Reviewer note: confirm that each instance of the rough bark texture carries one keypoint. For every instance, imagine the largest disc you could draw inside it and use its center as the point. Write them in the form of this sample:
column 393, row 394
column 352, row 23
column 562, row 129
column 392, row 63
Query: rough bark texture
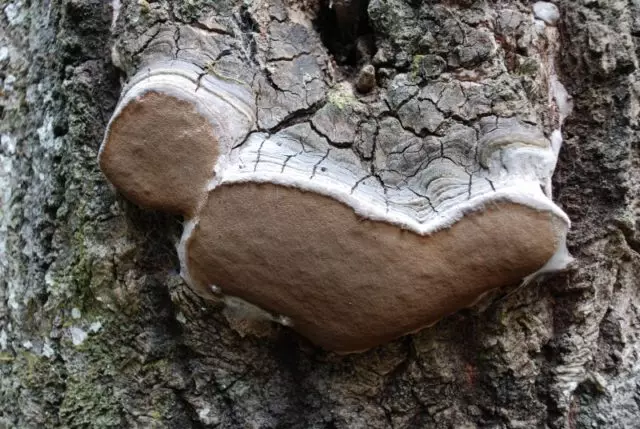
column 98, row 330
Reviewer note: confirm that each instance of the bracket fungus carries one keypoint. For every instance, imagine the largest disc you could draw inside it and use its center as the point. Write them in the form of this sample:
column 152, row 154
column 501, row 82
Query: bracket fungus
column 348, row 257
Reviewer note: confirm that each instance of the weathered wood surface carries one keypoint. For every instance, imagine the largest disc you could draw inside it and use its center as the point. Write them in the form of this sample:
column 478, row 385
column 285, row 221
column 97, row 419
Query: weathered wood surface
column 97, row 329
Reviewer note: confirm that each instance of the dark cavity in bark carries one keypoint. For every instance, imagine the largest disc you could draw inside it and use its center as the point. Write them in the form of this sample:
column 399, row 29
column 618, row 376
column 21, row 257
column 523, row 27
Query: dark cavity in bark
column 344, row 28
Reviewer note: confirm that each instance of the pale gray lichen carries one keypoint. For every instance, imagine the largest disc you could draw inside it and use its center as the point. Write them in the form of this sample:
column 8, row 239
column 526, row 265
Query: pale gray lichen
column 547, row 12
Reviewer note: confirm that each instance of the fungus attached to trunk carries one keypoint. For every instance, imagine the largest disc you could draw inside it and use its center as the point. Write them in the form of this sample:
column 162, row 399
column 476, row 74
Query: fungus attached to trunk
column 164, row 140
column 347, row 253
column 351, row 265
column 348, row 283
column 160, row 152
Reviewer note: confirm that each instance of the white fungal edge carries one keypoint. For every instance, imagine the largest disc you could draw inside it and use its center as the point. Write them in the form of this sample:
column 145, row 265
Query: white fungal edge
column 522, row 192
column 228, row 106
column 558, row 94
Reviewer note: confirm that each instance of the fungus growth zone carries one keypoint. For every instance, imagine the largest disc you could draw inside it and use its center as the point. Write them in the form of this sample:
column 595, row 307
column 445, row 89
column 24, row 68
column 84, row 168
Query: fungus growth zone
column 306, row 232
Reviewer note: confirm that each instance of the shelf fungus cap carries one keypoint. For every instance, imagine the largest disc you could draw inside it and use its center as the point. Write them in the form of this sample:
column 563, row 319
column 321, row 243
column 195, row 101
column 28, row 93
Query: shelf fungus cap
column 166, row 136
column 351, row 266
column 308, row 237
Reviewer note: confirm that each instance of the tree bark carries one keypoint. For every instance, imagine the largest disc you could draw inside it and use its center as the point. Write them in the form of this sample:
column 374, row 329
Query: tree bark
column 97, row 328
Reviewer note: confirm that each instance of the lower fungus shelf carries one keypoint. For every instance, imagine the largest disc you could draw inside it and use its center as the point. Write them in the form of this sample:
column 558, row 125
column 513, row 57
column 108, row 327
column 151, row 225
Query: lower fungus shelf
column 348, row 283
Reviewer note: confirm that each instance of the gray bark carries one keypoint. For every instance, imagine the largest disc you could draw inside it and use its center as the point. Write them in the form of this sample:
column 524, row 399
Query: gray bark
column 97, row 329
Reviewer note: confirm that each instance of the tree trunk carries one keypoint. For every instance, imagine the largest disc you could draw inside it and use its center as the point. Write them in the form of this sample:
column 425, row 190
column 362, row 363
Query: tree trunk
column 98, row 329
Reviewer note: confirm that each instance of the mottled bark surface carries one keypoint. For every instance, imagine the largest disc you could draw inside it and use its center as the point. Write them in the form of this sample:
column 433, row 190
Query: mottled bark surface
column 97, row 329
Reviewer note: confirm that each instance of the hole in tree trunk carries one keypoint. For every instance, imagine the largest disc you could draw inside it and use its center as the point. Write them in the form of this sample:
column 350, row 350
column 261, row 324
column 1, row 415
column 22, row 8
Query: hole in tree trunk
column 344, row 28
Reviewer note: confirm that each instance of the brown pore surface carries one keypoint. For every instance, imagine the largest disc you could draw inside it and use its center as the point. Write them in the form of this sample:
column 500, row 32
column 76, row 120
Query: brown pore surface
column 160, row 153
column 349, row 284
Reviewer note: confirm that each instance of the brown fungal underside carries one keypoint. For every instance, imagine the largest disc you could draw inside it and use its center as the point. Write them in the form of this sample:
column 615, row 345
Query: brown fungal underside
column 348, row 283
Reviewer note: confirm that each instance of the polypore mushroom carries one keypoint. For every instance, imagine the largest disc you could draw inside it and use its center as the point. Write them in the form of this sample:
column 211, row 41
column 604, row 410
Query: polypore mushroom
column 168, row 131
column 306, row 235
column 309, row 234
